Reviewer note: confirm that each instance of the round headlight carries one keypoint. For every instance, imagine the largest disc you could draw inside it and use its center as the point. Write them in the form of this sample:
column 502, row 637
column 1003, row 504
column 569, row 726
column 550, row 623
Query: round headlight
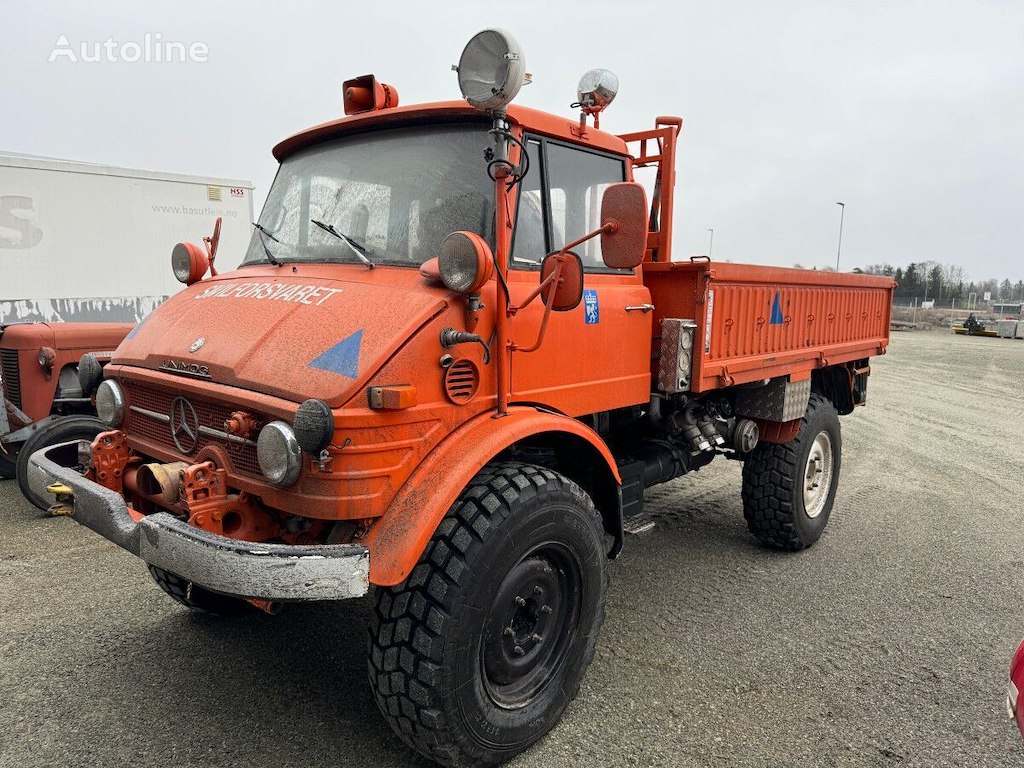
column 188, row 263
column 110, row 406
column 314, row 426
column 278, row 453
column 90, row 373
column 491, row 69
column 465, row 262
column 46, row 357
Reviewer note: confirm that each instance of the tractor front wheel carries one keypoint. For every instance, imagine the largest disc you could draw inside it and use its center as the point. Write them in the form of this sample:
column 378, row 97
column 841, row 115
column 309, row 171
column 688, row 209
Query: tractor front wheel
column 61, row 430
column 8, row 466
column 479, row 652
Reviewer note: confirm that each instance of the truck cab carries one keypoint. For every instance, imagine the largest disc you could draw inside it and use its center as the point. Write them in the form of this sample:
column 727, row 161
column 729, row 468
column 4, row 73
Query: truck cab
column 456, row 353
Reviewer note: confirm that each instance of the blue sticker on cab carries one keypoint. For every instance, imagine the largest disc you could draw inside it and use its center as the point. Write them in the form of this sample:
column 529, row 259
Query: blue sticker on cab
column 591, row 311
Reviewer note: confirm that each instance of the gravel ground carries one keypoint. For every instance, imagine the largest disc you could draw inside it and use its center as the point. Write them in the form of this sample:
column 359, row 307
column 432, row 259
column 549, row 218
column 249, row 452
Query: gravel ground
column 886, row 644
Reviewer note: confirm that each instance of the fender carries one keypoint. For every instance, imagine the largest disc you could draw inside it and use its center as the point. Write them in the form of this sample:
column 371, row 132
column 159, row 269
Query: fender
column 400, row 536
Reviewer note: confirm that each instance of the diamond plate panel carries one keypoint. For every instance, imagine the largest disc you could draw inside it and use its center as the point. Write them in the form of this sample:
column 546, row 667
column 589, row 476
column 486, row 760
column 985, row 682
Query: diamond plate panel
column 779, row 400
column 676, row 362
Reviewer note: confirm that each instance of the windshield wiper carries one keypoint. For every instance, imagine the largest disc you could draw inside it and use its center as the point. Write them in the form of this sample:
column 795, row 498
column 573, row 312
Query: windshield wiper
column 356, row 248
column 263, row 231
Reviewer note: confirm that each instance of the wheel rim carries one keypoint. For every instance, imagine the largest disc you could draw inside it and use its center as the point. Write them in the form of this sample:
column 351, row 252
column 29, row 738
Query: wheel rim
column 530, row 625
column 818, row 475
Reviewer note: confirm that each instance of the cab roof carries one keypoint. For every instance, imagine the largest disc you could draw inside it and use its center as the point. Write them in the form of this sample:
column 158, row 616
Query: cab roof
column 531, row 120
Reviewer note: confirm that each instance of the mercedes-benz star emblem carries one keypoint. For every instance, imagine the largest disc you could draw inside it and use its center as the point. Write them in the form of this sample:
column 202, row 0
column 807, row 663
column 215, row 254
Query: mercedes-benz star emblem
column 184, row 425
column 194, row 347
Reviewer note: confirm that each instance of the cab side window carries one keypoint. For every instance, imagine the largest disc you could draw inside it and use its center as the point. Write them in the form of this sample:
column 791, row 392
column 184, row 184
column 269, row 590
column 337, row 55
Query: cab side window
column 577, row 179
column 529, row 242
column 560, row 200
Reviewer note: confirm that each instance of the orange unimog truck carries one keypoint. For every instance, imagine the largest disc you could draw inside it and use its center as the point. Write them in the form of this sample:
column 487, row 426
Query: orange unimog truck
column 456, row 354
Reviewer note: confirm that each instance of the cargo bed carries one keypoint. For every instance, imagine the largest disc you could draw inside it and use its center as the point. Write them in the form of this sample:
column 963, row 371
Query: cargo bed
column 757, row 322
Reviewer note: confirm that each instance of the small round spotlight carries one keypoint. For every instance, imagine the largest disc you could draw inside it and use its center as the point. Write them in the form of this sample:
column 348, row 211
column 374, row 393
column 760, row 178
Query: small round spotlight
column 597, row 88
column 491, row 69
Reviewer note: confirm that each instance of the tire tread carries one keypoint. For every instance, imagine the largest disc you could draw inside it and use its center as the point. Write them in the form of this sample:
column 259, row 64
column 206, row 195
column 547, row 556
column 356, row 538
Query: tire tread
column 405, row 641
column 770, row 477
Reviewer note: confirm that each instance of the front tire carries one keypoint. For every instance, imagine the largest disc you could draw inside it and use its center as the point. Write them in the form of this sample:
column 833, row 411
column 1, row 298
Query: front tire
column 479, row 652
column 60, row 430
column 196, row 597
column 789, row 489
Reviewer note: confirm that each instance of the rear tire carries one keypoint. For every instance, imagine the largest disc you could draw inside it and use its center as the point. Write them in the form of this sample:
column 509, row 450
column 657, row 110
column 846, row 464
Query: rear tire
column 789, row 489
column 60, row 430
column 197, row 598
column 479, row 652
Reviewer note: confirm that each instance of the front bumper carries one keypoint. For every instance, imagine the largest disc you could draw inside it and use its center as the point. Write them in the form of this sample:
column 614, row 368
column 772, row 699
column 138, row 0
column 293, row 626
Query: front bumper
column 276, row 572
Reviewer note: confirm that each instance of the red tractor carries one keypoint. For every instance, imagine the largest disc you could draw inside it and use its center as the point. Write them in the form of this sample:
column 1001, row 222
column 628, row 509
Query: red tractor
column 43, row 397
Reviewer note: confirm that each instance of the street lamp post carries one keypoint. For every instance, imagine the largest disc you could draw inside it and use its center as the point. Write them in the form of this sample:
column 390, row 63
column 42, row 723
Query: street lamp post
column 712, row 241
column 842, row 213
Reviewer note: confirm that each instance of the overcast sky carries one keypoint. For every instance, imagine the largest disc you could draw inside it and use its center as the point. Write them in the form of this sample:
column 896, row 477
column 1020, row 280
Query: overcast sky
column 912, row 113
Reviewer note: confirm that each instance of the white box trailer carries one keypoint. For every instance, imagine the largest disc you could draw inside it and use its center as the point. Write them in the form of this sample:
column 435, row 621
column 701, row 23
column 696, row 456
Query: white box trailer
column 85, row 242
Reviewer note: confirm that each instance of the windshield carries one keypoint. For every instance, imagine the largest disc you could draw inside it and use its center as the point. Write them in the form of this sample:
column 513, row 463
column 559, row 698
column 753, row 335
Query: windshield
column 395, row 194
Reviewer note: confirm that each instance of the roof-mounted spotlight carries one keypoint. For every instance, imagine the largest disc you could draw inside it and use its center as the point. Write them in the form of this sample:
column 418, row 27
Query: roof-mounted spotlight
column 491, row 70
column 596, row 90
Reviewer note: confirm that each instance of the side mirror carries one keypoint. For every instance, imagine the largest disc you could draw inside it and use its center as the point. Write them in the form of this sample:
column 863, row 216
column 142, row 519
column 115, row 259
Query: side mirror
column 624, row 206
column 566, row 292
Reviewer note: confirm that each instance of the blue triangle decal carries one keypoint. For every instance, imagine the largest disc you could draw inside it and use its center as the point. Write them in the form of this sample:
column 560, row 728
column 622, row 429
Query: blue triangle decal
column 777, row 318
column 343, row 357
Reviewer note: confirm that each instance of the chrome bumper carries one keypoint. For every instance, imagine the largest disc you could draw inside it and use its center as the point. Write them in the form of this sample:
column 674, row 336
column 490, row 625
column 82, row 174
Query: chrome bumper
column 278, row 572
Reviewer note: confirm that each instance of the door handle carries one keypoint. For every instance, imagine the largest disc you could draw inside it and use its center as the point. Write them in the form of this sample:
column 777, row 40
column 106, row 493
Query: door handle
column 641, row 308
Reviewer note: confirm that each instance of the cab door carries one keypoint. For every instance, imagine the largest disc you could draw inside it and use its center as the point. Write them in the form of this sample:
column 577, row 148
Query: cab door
column 595, row 357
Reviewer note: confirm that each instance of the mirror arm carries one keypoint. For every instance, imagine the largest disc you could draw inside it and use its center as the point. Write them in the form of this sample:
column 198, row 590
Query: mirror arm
column 553, row 277
column 540, row 335
column 212, row 243
column 609, row 227
column 539, row 289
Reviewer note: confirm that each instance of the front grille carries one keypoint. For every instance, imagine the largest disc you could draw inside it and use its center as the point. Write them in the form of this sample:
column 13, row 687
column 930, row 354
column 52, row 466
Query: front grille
column 211, row 414
column 10, row 375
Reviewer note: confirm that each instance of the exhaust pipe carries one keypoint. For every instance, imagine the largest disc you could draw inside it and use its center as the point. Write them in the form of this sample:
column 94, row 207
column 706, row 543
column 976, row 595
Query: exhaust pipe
column 160, row 482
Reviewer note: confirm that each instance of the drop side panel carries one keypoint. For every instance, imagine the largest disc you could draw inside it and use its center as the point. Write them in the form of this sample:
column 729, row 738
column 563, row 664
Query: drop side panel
column 757, row 322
